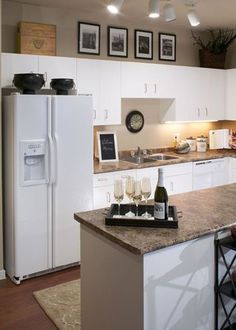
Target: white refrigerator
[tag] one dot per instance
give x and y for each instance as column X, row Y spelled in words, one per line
column 48, row 173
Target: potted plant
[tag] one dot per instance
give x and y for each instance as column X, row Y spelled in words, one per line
column 212, row 52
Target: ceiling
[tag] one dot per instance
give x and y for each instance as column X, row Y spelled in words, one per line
column 212, row 13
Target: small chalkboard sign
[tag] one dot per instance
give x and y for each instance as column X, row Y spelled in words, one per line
column 107, row 147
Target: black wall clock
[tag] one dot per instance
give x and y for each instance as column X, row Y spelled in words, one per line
column 134, row 121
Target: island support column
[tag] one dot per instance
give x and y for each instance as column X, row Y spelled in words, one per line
column 111, row 285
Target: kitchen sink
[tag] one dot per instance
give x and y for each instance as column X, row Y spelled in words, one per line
column 138, row 160
column 162, row 157
column 151, row 158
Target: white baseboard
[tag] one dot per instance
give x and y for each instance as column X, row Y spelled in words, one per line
column 2, row 274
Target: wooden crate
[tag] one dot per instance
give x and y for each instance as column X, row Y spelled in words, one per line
column 36, row 38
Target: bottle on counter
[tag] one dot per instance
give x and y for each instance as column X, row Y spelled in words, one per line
column 160, row 198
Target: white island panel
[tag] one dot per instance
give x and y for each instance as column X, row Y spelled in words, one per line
column 179, row 286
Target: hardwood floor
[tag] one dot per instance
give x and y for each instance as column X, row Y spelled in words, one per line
column 18, row 308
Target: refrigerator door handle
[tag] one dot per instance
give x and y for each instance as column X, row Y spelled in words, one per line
column 51, row 158
column 55, row 144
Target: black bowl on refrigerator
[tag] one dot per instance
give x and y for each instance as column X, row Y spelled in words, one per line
column 28, row 83
column 62, row 85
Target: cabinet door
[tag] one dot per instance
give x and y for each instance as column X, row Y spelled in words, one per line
column 57, row 67
column 230, row 96
column 16, row 63
column 103, row 196
column 220, row 172
column 110, row 92
column 199, row 95
column 88, row 82
column 232, row 170
column 102, row 80
column 213, row 93
column 178, row 178
column 140, row 80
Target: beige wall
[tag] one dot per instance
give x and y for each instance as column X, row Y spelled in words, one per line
column 1, row 225
column 67, row 20
column 154, row 134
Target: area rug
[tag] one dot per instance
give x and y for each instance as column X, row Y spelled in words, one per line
column 62, row 304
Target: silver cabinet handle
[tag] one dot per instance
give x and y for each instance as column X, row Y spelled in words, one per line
column 155, row 88
column 172, row 186
column 198, row 112
column 103, row 179
column 206, row 112
column 106, row 114
column 94, row 114
column 108, row 197
column 45, row 77
column 145, row 88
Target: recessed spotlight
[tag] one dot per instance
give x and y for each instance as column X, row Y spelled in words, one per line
column 169, row 12
column 154, row 8
column 115, row 6
column 193, row 18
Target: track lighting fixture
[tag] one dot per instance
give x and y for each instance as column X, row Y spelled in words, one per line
column 193, row 17
column 114, row 6
column 169, row 12
column 154, row 8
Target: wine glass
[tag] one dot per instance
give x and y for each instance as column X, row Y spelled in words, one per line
column 129, row 190
column 137, row 197
column 118, row 193
column 146, row 192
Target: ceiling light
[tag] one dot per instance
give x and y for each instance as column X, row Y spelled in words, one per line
column 115, row 6
column 193, row 18
column 169, row 12
column 154, row 10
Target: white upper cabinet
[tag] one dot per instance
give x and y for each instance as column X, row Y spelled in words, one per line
column 199, row 95
column 140, row 80
column 230, row 94
column 16, row 63
column 57, row 67
column 102, row 80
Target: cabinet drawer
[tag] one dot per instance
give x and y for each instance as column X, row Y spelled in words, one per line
column 101, row 180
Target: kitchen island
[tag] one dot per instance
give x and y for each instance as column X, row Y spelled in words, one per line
column 151, row 278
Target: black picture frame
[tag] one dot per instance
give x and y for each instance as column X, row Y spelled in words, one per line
column 117, row 41
column 88, row 38
column 167, row 47
column 143, row 44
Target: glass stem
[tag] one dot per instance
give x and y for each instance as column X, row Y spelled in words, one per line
column 136, row 210
column 146, row 206
column 130, row 205
column 118, row 209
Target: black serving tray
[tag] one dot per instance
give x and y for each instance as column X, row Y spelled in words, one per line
column 139, row 221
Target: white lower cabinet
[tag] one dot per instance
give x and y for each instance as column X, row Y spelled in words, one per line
column 103, row 187
column 178, row 178
column 232, row 170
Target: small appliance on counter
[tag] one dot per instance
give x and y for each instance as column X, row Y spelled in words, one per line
column 192, row 142
column 182, row 147
column 219, row 139
column 201, row 144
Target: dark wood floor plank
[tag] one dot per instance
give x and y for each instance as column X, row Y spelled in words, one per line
column 18, row 308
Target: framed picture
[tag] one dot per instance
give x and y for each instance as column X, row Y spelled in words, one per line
column 88, row 38
column 107, row 147
column 117, row 41
column 167, row 47
column 143, row 44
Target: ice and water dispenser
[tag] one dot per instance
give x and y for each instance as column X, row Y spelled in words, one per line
column 34, row 161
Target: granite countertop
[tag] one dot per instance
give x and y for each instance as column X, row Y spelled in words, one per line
column 182, row 158
column 204, row 212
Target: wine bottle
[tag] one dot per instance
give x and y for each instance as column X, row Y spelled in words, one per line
column 160, row 198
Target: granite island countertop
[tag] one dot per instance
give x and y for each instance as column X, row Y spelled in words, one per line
column 182, row 158
column 204, row 212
